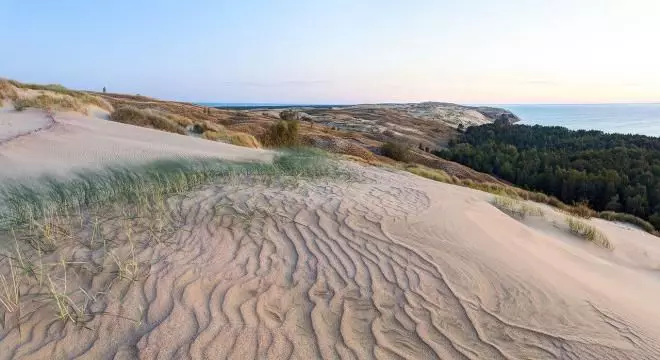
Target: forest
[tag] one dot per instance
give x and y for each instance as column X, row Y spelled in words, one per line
column 613, row 172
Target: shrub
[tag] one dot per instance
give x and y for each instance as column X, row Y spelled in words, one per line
column 21, row 104
column 282, row 134
column 395, row 151
column 588, row 232
column 288, row 115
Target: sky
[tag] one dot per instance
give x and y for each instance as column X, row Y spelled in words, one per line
column 340, row 51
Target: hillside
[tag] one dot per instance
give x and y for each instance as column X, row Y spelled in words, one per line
column 121, row 242
column 609, row 172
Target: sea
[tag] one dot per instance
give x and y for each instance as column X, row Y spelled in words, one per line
column 643, row 119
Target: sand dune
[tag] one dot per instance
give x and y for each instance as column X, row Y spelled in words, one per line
column 71, row 140
column 386, row 266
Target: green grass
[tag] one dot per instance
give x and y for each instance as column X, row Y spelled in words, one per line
column 588, row 232
column 114, row 213
column 24, row 202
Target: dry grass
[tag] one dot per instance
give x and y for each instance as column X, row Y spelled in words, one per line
column 588, row 232
column 59, row 90
column 630, row 219
column 146, row 118
column 232, row 137
column 7, row 90
column 100, row 222
column 94, row 100
column 433, row 174
column 516, row 208
column 51, row 102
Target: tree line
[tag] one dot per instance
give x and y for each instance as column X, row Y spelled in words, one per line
column 614, row 172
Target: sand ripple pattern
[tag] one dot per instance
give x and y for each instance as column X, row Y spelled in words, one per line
column 331, row 271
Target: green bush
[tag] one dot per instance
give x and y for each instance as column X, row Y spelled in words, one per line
column 396, row 151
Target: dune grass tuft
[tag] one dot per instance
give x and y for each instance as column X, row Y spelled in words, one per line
column 146, row 118
column 50, row 102
column 234, row 138
column 24, row 202
column 628, row 218
column 429, row 173
column 80, row 96
column 516, row 208
column 588, row 232
column 7, row 90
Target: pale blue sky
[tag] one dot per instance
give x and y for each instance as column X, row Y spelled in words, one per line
column 341, row 51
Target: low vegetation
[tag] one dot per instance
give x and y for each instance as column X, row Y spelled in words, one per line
column 232, row 137
column 7, row 90
column 588, row 232
column 429, row 173
column 61, row 91
column 108, row 216
column 24, row 202
column 627, row 218
column 282, row 134
column 515, row 208
column 396, row 151
column 50, row 102
column 147, row 118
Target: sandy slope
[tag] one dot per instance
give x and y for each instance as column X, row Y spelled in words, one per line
column 388, row 266
column 71, row 140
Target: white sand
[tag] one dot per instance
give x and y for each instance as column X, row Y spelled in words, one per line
column 393, row 266
column 74, row 141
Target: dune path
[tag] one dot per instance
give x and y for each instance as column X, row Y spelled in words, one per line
column 388, row 267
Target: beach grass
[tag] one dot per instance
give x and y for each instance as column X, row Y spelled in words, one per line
column 110, row 214
column 588, row 232
column 25, row 201
column 516, row 208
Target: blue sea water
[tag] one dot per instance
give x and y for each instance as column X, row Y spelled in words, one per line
column 643, row 119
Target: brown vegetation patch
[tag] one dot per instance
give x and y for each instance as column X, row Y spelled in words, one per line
column 134, row 116
column 7, row 90
column 51, row 102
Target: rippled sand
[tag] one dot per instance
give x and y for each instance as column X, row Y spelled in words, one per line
column 386, row 266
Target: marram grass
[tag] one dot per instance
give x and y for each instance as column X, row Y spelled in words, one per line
column 22, row 202
column 588, row 232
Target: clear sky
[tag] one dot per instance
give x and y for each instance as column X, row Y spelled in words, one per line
column 340, row 51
